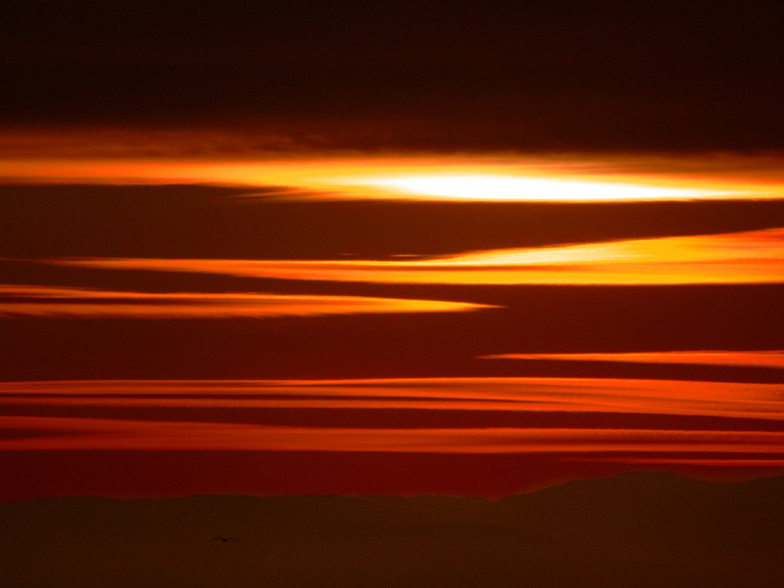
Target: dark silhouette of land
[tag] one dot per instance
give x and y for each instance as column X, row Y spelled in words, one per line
column 631, row 530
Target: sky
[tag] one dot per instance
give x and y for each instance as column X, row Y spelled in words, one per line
column 300, row 248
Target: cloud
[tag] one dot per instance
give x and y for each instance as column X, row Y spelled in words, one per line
column 736, row 258
column 770, row 359
column 52, row 301
column 576, row 395
column 425, row 177
column 511, row 188
column 114, row 434
column 626, row 442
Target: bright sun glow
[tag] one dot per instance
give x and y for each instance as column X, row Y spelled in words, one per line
column 496, row 187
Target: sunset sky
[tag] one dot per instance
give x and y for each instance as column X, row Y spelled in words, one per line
column 304, row 248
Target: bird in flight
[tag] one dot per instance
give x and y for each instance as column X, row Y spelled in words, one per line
column 224, row 539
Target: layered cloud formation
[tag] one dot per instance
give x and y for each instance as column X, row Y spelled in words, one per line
column 474, row 396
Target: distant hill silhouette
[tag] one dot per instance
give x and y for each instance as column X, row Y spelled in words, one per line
column 631, row 530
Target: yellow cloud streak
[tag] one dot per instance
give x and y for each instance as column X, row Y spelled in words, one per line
column 600, row 395
column 87, row 303
column 110, row 434
column 772, row 359
column 737, row 258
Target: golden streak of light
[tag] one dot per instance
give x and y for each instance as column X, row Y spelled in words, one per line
column 770, row 359
column 89, row 303
column 736, row 258
column 111, row 434
column 582, row 395
column 457, row 178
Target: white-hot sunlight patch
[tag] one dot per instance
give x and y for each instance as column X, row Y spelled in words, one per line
column 497, row 187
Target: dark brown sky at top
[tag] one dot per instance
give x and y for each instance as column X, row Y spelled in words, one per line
column 554, row 75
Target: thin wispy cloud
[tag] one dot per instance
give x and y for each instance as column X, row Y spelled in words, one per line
column 750, row 257
column 113, row 434
column 578, row 395
column 46, row 301
column 733, row 461
column 769, row 359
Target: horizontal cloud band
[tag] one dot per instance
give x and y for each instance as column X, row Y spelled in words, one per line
column 446, row 178
column 737, row 258
column 87, row 303
column 581, row 395
column 769, row 359
column 103, row 434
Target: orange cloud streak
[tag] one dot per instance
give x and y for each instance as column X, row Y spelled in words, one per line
column 771, row 359
column 103, row 434
column 724, row 399
column 87, row 303
column 737, row 258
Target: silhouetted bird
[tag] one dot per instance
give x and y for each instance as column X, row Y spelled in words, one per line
column 224, row 539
